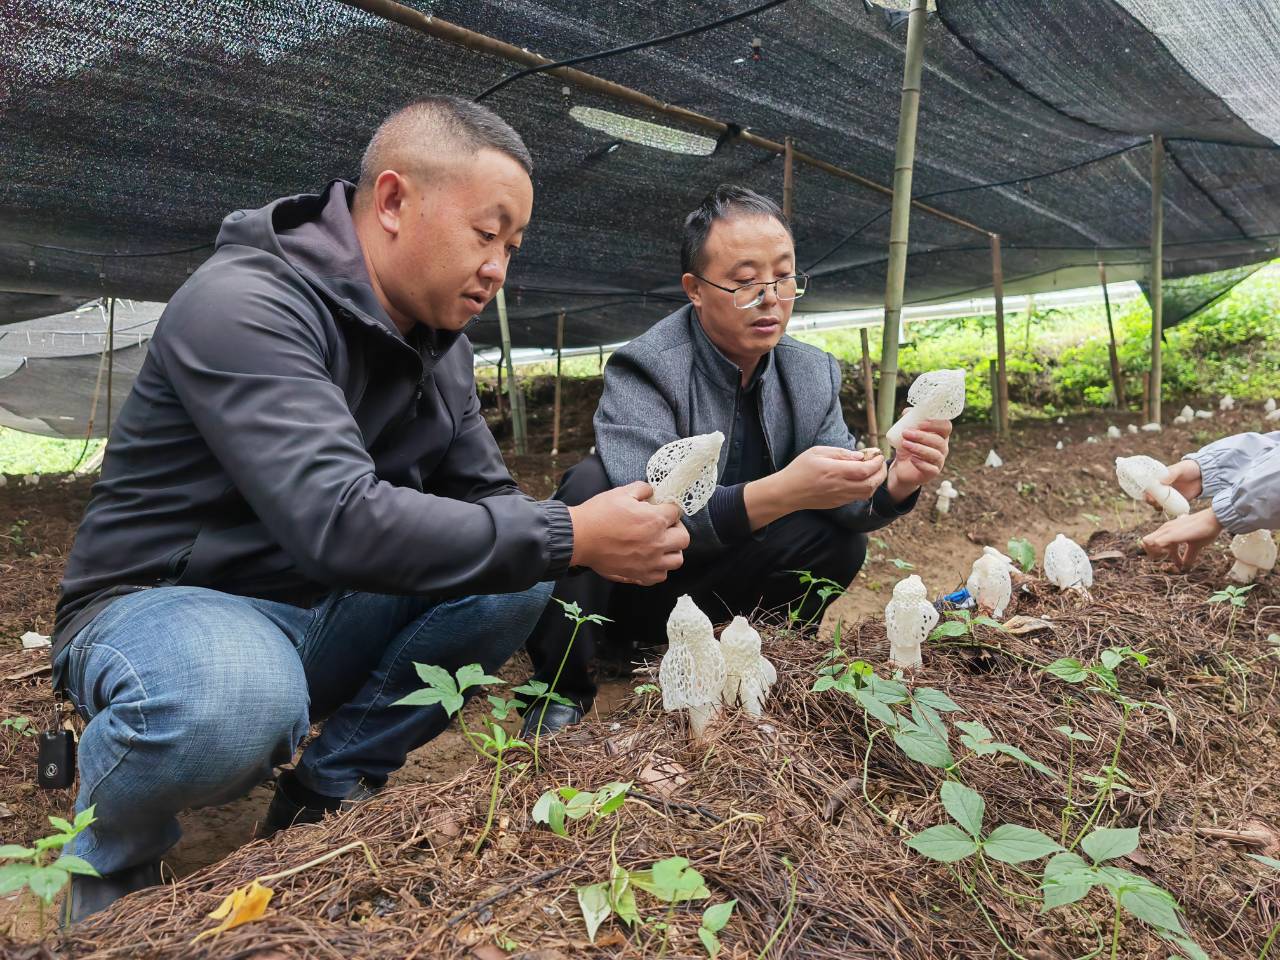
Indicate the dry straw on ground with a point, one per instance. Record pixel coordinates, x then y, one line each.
791 788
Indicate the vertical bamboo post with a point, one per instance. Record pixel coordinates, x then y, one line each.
1146 397
111 356
788 182
555 416
601 358
993 371
1117 382
900 213
873 432
1157 271
502 359
513 389
1001 394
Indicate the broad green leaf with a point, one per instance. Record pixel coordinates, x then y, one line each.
1111 658
14 876
47 882
1105 676
571 610
1068 669
73 864
1072 734
1269 861
887 691
1067 878
1153 905
945 843
675 880
988 622
11 851
451 701
593 900
549 809
531 688
648 688
435 676
1010 843
974 729
924 748
875 707
717 915
85 817
936 699
1188 947
579 805
622 896
951 628
473 675
1107 843
62 825
1010 750
611 797
964 805
555 819
1023 554
926 718
823 683
710 941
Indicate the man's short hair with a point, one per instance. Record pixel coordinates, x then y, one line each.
434 129
722 203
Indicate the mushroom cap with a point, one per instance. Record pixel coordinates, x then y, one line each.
1066 564
740 636
938 394
993 460
996 554
990 582
1257 549
1139 473
945 489
684 471
910 588
1113 432
692 670
1188 413
1270 405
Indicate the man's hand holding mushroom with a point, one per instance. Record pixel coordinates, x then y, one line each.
921 457
1184 476
1183 538
820 478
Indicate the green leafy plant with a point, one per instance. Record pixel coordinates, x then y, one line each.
29 867
492 742
714 919
545 693
20 725
647 688
1022 552
1068 877
948 843
902 564
1102 674
960 623
565 803
826 588
1236 597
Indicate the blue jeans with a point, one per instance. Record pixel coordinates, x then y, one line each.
193 695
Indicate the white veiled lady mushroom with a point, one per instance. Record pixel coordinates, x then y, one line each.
1132 428
1152 427
1113 432
993 460
1273 415
1059 446
1270 405
1066 565
748 675
1204 414
1188 413
1254 552
1227 403
946 493
1140 475
908 618
684 471
990 583
691 675
936 395
1090 439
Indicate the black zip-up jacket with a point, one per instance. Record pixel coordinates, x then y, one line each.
284 439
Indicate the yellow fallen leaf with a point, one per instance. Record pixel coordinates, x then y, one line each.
242 905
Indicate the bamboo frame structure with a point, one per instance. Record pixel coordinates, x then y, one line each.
518 424
788 179
868 387
900 213
1117 380
1157 270
1002 372
555 416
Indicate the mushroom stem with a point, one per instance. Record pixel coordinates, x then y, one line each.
1171 501
1243 572
699 717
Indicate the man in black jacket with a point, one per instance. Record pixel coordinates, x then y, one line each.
300 500
793 493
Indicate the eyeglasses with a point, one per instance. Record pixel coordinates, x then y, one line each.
752 294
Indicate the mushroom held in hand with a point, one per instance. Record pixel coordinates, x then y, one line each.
748 675
1066 565
1254 552
684 471
908 618
990 583
691 675
936 395
946 493
1141 475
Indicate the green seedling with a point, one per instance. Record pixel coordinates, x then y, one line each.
547 694
565 803
1023 553
827 589
29 867
902 564
647 688
1236 597
20 725
960 623
492 742
1102 675
1068 877
1007 843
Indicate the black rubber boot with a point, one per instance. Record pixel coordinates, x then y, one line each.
557 717
88 895
294 804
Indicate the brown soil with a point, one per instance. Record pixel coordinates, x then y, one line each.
1037 494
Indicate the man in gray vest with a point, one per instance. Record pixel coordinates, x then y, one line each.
300 500
794 493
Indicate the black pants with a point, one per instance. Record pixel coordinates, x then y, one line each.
747 576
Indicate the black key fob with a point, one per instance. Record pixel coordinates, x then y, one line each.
57 760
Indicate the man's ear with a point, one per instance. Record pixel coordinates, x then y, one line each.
388 200
692 289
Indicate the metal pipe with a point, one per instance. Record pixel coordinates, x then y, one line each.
788 184
900 215
555 417
513 389
1117 381
1157 269
479 42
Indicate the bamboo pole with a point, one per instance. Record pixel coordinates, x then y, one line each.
514 396
788 182
1002 383
452 33
1157 270
1146 396
1117 381
993 372
555 416
868 387
502 359
900 212
111 356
